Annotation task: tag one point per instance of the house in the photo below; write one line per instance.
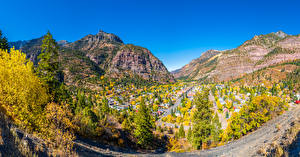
(160, 112)
(236, 110)
(298, 96)
(164, 105)
(222, 102)
(177, 113)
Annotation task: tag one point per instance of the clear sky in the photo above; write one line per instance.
(174, 31)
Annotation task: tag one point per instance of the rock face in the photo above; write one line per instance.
(30, 47)
(259, 52)
(130, 58)
(102, 53)
(197, 65)
(118, 59)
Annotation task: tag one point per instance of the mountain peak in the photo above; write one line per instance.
(108, 37)
(62, 42)
(280, 34)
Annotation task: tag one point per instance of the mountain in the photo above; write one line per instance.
(30, 47)
(286, 71)
(199, 65)
(18, 44)
(84, 60)
(259, 52)
(62, 42)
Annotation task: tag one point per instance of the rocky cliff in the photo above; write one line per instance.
(118, 59)
(259, 52)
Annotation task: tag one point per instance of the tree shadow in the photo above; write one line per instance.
(7, 146)
(294, 148)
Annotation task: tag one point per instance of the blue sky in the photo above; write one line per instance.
(174, 31)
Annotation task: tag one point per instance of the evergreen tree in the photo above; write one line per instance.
(143, 122)
(202, 119)
(170, 102)
(217, 128)
(3, 42)
(105, 107)
(181, 131)
(159, 99)
(189, 134)
(183, 104)
(49, 67)
(126, 125)
(90, 101)
(172, 113)
(177, 135)
(182, 101)
(81, 101)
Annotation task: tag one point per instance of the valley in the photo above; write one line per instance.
(98, 96)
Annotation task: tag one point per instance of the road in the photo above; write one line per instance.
(168, 112)
(222, 118)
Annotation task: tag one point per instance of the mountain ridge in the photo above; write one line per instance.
(254, 54)
(101, 54)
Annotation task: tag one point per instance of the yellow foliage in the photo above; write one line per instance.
(179, 119)
(155, 107)
(186, 123)
(58, 127)
(188, 105)
(165, 101)
(22, 94)
(174, 145)
(170, 119)
(133, 102)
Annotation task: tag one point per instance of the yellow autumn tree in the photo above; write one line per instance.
(58, 128)
(22, 94)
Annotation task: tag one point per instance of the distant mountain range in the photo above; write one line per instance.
(259, 52)
(101, 54)
(106, 54)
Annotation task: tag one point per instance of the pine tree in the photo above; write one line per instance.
(90, 100)
(217, 128)
(3, 42)
(172, 113)
(170, 102)
(202, 119)
(105, 107)
(189, 134)
(143, 122)
(176, 136)
(125, 124)
(49, 67)
(81, 101)
(181, 132)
